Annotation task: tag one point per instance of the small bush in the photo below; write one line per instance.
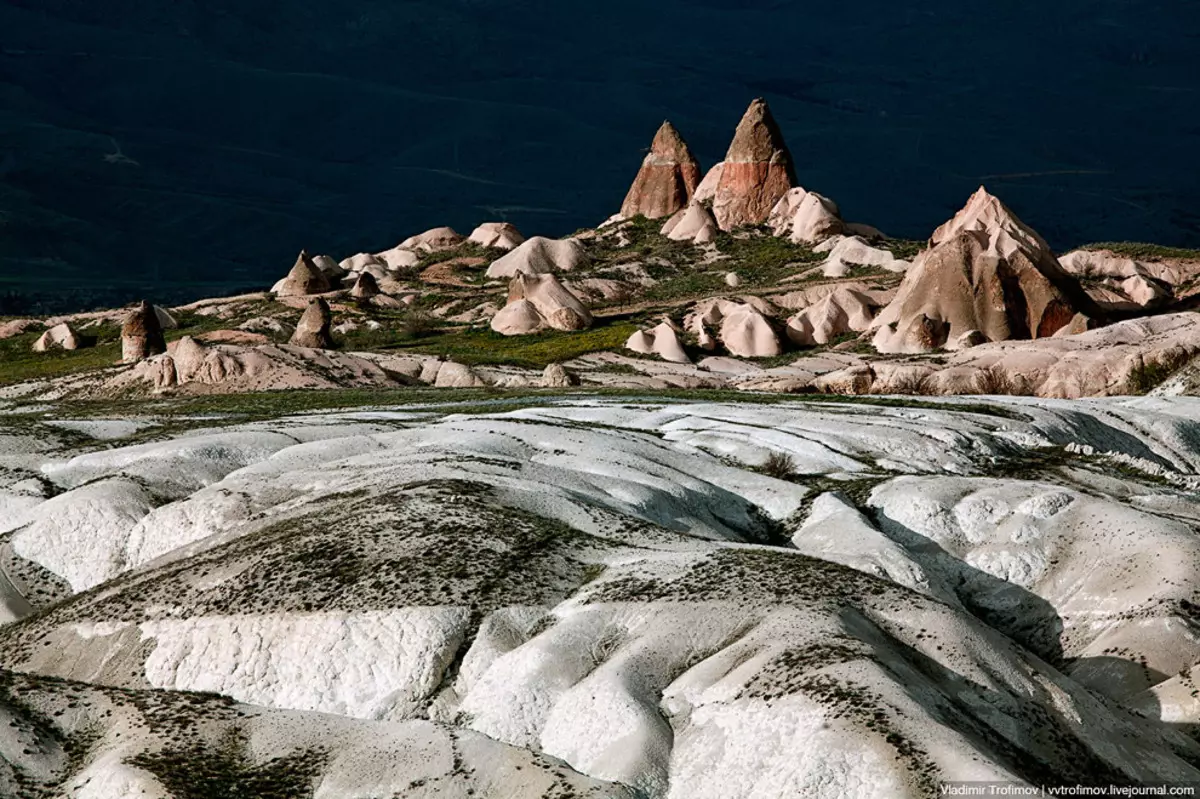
(779, 465)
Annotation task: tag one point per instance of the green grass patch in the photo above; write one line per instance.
(532, 351)
(763, 259)
(1143, 251)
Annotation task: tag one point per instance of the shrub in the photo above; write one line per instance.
(779, 465)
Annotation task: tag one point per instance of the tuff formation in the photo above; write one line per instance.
(667, 179)
(985, 271)
(142, 334)
(305, 278)
(313, 328)
(537, 302)
(756, 173)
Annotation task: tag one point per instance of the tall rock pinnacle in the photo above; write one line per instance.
(667, 179)
(756, 173)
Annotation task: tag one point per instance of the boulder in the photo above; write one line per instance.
(851, 380)
(500, 235)
(313, 328)
(841, 311)
(662, 341)
(451, 374)
(667, 179)
(438, 238)
(365, 287)
(399, 258)
(141, 334)
(537, 302)
(62, 336)
(756, 173)
(986, 271)
(732, 280)
(556, 375)
(538, 256)
(16, 327)
(304, 279)
(695, 223)
(805, 217)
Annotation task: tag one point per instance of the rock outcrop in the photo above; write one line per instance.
(500, 235)
(62, 336)
(313, 328)
(142, 334)
(742, 327)
(986, 271)
(305, 279)
(840, 312)
(695, 223)
(537, 302)
(662, 340)
(365, 287)
(16, 327)
(805, 217)
(433, 240)
(538, 256)
(843, 253)
(667, 179)
(756, 173)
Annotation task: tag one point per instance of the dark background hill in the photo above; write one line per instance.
(188, 148)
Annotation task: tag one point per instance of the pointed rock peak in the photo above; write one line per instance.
(984, 212)
(304, 266)
(759, 139)
(669, 146)
(365, 287)
(141, 334)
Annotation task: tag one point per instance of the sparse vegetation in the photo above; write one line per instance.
(1143, 251)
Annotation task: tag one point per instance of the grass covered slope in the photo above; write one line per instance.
(687, 599)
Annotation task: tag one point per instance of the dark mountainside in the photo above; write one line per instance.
(189, 149)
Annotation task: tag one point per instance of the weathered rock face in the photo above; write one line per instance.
(365, 287)
(501, 235)
(985, 271)
(61, 336)
(695, 223)
(313, 328)
(536, 302)
(841, 311)
(438, 238)
(141, 334)
(756, 173)
(667, 180)
(305, 278)
(662, 341)
(743, 327)
(539, 255)
(805, 217)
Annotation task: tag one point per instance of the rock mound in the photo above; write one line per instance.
(662, 340)
(667, 179)
(756, 173)
(142, 334)
(846, 252)
(805, 217)
(313, 328)
(501, 235)
(695, 223)
(742, 327)
(840, 312)
(537, 302)
(985, 271)
(438, 238)
(304, 279)
(365, 287)
(538, 256)
(62, 336)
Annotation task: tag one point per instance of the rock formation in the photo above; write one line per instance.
(662, 340)
(695, 223)
(756, 173)
(537, 256)
(840, 312)
(500, 235)
(305, 278)
(843, 253)
(141, 334)
(438, 238)
(313, 328)
(62, 336)
(743, 327)
(986, 271)
(16, 327)
(667, 179)
(399, 258)
(536, 302)
(365, 287)
(555, 375)
(805, 217)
